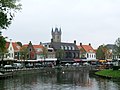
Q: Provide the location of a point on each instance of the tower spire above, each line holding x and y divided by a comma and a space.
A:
56, 35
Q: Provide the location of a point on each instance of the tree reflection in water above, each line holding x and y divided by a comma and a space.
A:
58, 80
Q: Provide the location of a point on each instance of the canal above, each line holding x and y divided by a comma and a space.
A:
68, 80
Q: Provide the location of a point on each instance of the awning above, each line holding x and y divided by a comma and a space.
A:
67, 60
102, 60
77, 60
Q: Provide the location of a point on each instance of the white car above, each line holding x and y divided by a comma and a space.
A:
86, 64
17, 65
67, 64
8, 67
75, 64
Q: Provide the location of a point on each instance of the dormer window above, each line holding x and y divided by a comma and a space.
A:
91, 50
10, 48
69, 47
73, 48
30, 49
65, 47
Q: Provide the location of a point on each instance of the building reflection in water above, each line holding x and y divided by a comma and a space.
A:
58, 80
76, 78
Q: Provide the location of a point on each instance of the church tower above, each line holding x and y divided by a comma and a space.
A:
56, 35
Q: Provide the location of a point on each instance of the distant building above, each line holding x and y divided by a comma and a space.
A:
34, 51
12, 53
13, 50
39, 53
70, 50
56, 35
87, 52
112, 55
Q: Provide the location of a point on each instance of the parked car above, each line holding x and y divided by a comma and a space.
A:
29, 65
86, 64
75, 64
67, 64
8, 67
38, 65
17, 65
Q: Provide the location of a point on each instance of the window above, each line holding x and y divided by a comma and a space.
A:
69, 47
10, 48
38, 49
62, 47
30, 49
87, 55
73, 48
45, 45
57, 37
65, 47
94, 56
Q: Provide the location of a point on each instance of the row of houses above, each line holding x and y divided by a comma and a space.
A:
36, 52
50, 51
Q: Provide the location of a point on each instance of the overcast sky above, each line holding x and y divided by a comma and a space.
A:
87, 21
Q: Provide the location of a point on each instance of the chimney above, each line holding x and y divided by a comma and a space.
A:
89, 44
10, 41
51, 40
40, 43
80, 44
75, 42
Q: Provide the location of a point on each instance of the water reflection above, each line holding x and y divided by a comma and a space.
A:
77, 80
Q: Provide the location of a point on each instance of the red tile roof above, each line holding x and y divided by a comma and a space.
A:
79, 46
7, 44
25, 45
16, 46
37, 46
87, 48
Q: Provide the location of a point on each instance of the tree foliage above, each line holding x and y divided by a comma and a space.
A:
102, 52
116, 50
2, 44
44, 52
117, 47
7, 10
60, 54
23, 53
19, 43
3, 48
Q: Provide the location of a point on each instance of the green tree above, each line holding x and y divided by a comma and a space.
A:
3, 48
117, 47
102, 52
7, 10
44, 52
19, 43
60, 54
23, 53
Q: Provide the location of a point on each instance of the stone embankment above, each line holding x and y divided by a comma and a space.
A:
5, 73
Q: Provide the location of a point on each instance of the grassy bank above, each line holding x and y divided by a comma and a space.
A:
109, 73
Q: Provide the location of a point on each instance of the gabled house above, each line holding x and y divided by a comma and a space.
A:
12, 51
87, 52
39, 51
34, 51
112, 55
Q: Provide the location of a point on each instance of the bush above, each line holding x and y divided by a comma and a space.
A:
116, 67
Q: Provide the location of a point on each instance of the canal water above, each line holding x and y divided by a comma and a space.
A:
70, 80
